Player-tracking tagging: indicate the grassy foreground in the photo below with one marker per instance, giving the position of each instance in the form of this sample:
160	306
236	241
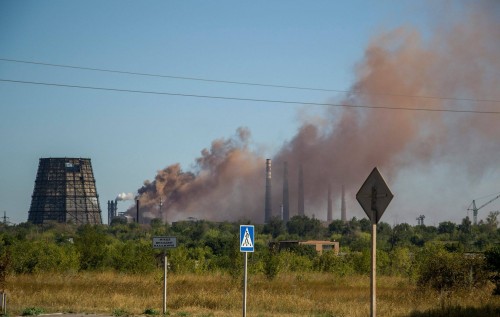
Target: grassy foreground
300	294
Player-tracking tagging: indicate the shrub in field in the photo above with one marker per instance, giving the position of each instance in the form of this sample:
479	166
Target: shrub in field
41	256
493	265
4	261
446	271
151	311
132	256
361	261
271	265
91	244
292	262
401	262
333	263
32	311
202	257
179	261
120	312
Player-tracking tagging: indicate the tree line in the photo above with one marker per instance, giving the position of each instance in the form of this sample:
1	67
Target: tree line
442	257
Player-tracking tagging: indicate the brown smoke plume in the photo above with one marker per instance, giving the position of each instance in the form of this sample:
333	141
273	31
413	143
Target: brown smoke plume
223	185
400	69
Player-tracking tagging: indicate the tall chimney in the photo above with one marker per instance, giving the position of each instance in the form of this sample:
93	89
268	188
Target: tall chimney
268	207
343	214
137	205
286	201
329	216
301	192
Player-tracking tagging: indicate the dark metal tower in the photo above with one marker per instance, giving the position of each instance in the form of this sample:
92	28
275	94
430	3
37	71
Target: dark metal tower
65	192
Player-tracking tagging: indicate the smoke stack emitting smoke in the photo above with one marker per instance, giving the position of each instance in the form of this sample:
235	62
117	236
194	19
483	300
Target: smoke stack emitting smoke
460	60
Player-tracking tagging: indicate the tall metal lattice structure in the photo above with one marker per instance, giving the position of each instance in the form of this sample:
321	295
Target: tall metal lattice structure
65	192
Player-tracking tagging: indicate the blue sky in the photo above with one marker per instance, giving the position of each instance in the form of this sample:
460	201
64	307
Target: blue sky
131	136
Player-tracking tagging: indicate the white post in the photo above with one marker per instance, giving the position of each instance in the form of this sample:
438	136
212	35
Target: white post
164	283
245	286
373	273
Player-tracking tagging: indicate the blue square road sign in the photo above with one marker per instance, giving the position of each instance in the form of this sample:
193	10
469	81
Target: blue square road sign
247	238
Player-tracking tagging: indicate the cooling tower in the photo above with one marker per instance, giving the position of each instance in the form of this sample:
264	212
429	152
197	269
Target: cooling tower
286	199
65	192
268	207
301	208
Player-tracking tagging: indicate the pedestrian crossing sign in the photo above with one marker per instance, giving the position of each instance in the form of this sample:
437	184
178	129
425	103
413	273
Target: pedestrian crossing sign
247	238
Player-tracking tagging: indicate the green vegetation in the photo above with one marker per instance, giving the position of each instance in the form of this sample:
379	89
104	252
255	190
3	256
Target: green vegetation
32	311
151	311
120	312
448	259
403	250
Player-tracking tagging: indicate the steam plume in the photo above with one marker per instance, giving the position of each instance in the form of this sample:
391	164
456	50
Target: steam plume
125	196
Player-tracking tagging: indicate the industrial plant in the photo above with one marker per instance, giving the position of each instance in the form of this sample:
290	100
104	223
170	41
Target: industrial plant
65	192
285	203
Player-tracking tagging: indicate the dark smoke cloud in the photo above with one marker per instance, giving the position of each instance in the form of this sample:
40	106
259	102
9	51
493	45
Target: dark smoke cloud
461	59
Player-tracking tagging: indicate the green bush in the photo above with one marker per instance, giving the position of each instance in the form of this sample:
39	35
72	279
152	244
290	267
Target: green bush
91	244
151	311
493	265
32	311
42	256
271	265
445	271
401	262
292	262
330	262
132	256
120	312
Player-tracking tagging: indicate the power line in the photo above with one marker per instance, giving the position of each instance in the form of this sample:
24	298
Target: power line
244	83
243	99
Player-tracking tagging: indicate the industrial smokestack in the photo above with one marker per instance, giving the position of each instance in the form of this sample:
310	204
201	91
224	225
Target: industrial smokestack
268	207
343	213
329	216
301	192
286	201
137	205
112	210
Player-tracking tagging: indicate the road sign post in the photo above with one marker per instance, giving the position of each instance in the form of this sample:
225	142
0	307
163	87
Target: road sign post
247	243
164	243
374	196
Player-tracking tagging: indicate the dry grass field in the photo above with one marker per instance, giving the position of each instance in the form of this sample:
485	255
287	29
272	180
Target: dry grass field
300	294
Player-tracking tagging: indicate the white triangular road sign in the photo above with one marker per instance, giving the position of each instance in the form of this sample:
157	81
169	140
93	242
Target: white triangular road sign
246	242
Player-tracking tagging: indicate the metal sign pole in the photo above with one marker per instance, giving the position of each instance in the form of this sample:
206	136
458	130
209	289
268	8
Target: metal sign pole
374	196
245	286
247	243
373	273
164	243
164	282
